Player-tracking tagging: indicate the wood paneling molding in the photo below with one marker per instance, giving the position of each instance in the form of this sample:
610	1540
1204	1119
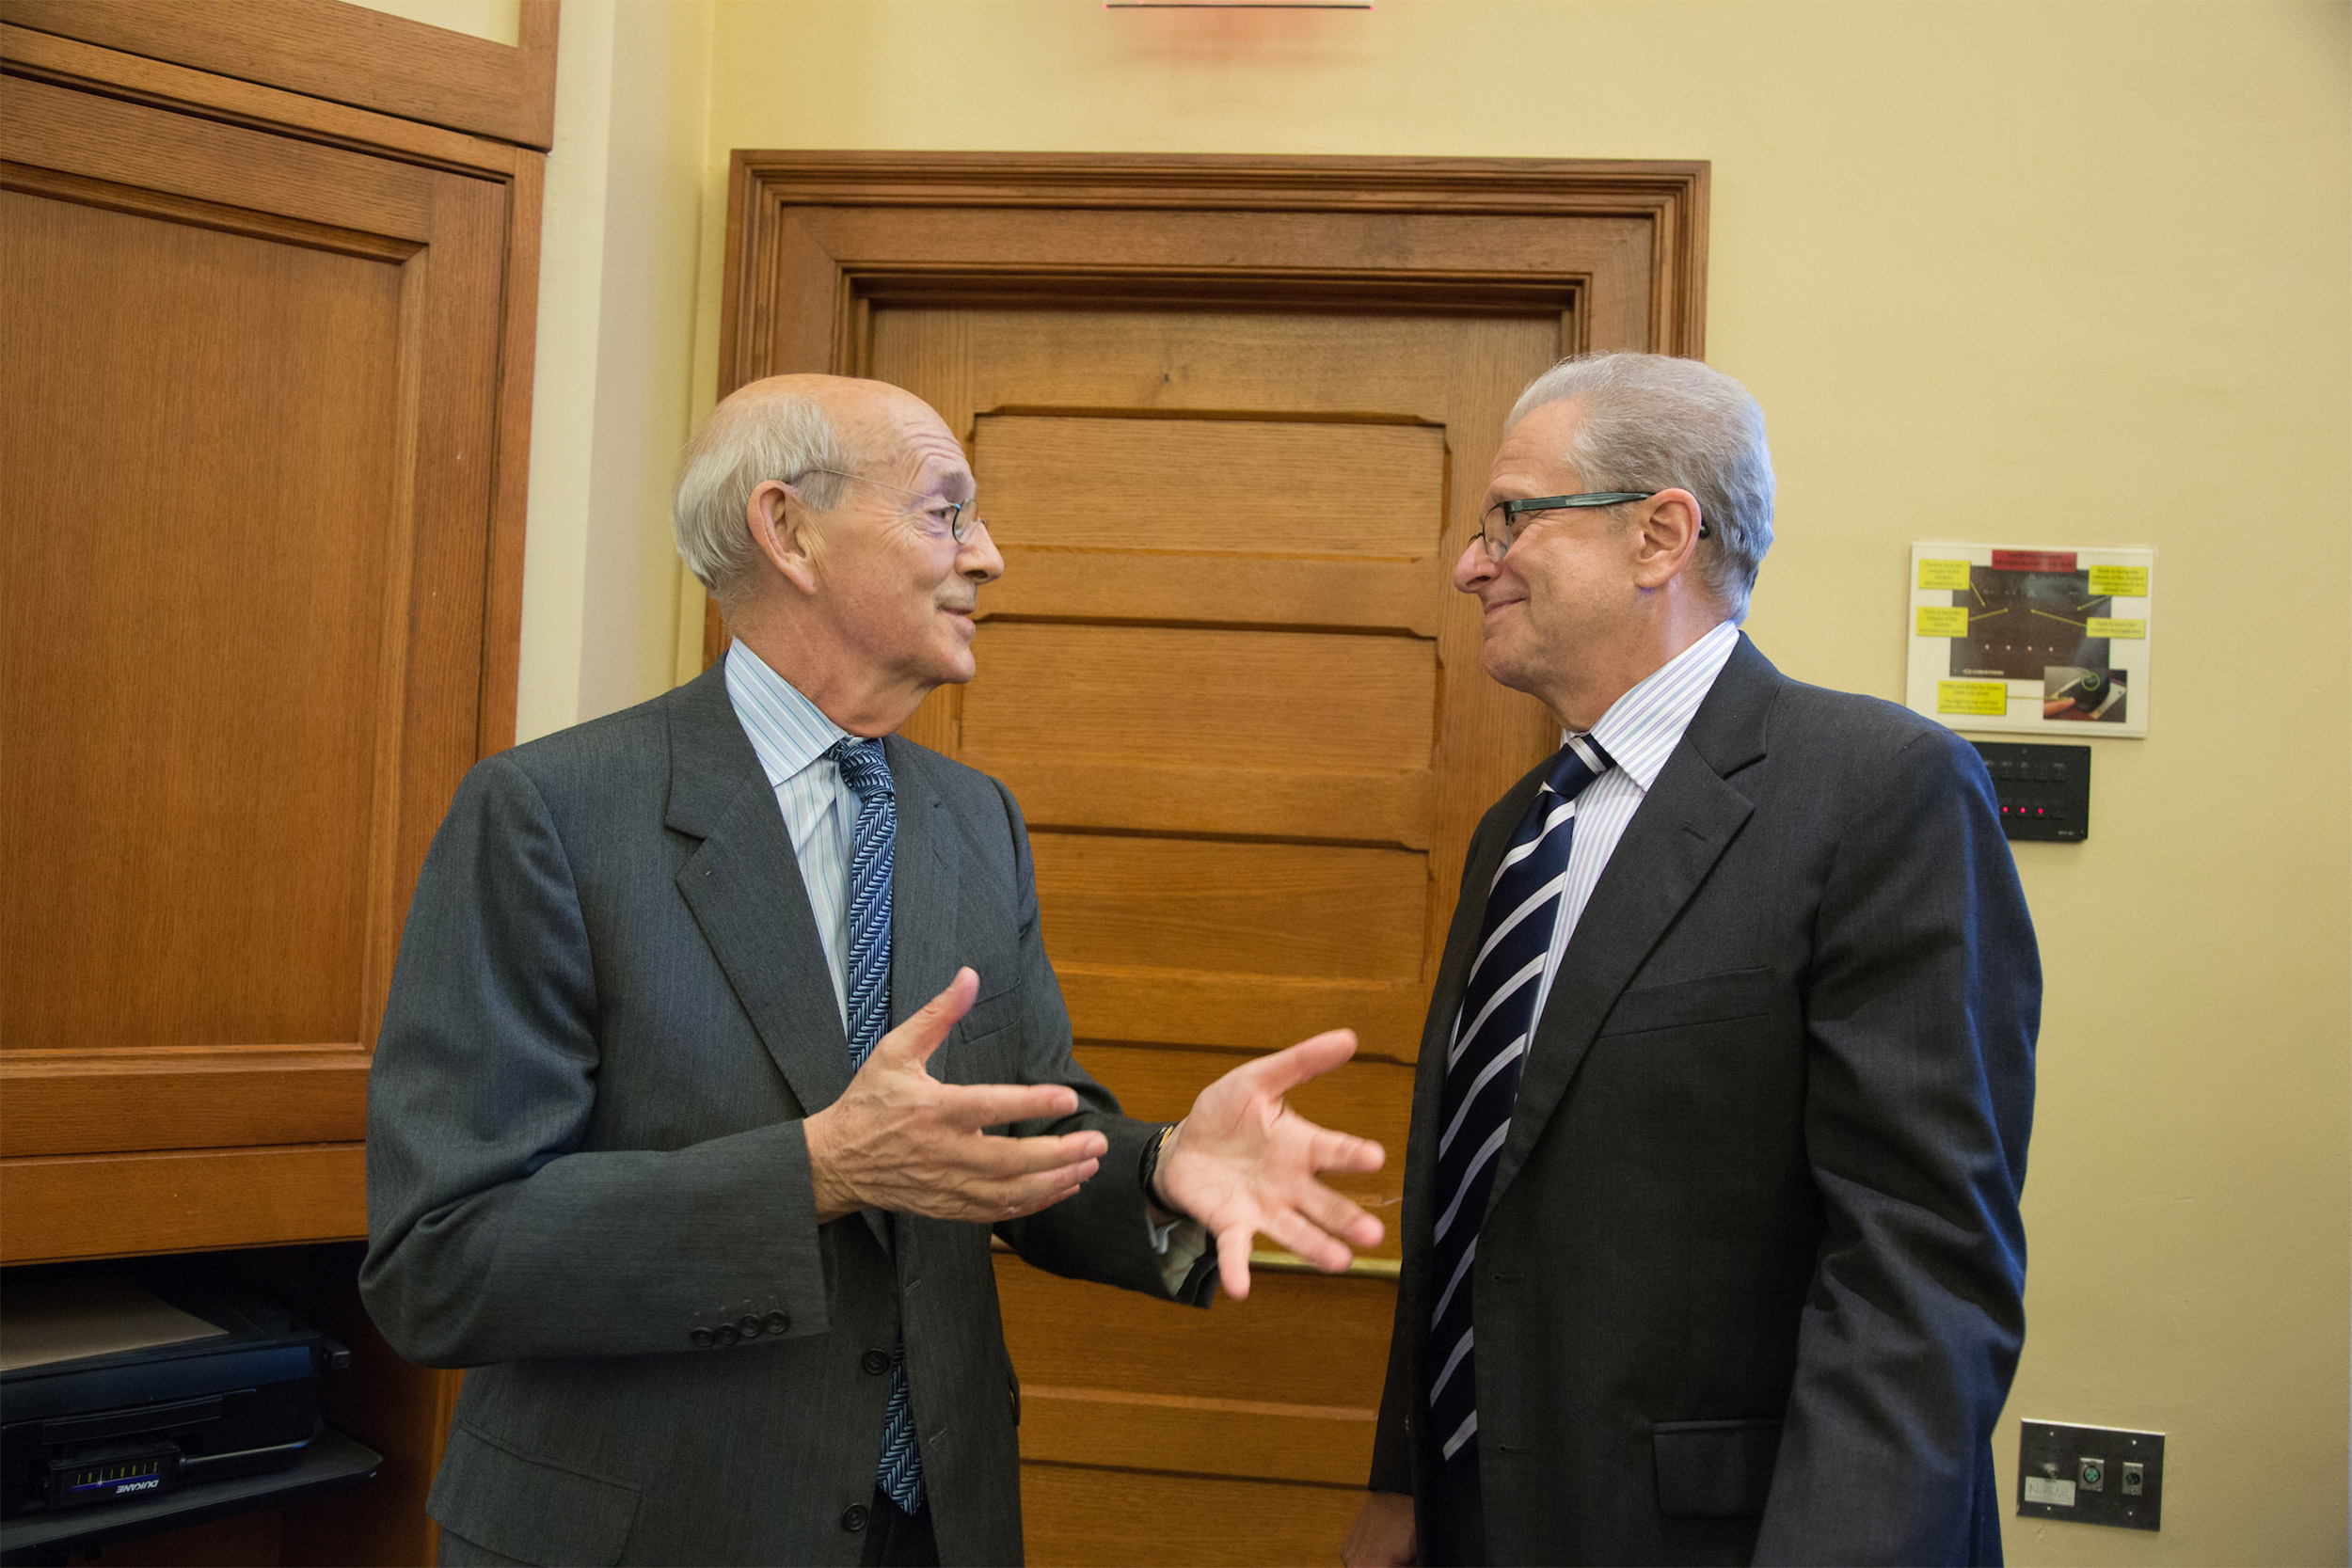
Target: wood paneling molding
1256	1439
184	1096
200	1200
1670	196
341	52
69	62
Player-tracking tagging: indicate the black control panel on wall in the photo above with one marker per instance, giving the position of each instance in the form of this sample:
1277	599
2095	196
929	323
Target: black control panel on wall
2091	1475
2044	791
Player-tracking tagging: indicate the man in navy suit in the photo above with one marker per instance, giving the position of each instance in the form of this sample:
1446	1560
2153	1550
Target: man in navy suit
1711	1240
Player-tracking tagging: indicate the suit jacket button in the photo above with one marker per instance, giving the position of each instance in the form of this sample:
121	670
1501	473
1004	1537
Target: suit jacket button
853	1518
750	1325
725	1334
702	1339
779	1323
875	1361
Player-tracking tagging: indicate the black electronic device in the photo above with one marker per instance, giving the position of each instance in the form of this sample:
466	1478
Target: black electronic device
2043	791
236	1393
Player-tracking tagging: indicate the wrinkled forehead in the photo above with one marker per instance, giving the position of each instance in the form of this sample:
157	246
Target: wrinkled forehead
1534	459
899	438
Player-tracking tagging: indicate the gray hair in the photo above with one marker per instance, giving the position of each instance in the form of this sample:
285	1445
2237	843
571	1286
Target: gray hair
1651	422
744	443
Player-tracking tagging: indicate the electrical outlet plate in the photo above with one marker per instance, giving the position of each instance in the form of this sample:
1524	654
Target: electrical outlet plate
2091	1475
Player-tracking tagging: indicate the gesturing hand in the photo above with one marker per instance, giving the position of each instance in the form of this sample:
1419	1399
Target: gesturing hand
1244	1161
899	1139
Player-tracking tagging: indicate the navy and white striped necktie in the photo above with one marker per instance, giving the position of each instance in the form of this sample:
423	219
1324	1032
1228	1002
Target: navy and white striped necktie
899	1473
1481	1076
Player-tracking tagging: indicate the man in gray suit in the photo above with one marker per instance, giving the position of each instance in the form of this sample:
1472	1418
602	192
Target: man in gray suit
1711	1230
679	1126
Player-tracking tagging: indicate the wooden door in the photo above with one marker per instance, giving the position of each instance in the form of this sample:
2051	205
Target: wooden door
1227	677
264	386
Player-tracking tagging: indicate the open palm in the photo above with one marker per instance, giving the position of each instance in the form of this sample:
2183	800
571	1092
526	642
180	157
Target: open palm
1244	1164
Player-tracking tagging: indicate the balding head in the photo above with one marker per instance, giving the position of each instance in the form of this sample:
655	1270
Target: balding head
785	428
832	520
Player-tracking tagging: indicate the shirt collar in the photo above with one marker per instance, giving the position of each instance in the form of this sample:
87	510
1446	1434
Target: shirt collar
787	730
1643	727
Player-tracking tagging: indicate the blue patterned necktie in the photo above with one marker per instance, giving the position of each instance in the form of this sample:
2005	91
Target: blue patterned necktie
1482	1075
899	1473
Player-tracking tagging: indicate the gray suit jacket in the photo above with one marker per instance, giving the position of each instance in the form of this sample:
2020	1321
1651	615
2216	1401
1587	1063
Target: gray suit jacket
1750	1281
587	1177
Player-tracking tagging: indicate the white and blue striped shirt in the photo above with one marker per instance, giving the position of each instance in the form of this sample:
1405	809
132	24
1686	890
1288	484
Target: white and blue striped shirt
791	734
1639	732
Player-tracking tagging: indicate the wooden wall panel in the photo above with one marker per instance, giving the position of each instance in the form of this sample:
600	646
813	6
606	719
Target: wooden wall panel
1165	695
1387	596
195	1200
1112	1518
1056	1332
185	1097
1201	486
218	786
253	421
1329	912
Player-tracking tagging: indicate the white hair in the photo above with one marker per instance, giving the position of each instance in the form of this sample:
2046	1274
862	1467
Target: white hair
744	443
1652	423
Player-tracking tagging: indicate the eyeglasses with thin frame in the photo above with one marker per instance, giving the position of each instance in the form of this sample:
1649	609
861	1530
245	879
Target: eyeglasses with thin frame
1501	519
946	512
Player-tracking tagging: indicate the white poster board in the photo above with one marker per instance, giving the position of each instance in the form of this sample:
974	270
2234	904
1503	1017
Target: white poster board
2032	638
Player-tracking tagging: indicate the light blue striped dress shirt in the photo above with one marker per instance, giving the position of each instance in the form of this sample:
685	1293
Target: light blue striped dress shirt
791	736
1639	732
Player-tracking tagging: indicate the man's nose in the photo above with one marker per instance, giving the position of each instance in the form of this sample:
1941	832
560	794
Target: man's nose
1474	567
977	556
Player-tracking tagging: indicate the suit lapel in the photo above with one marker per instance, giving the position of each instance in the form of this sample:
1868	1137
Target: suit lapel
1689	817
922	886
744	888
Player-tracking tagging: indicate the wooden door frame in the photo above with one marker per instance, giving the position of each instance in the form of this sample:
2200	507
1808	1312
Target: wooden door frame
789	305
336	53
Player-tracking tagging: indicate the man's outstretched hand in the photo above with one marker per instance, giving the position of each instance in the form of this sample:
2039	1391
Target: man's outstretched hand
899	1139
1244	1163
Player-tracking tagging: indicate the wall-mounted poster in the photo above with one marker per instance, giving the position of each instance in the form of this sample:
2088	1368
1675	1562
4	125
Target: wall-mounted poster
2047	640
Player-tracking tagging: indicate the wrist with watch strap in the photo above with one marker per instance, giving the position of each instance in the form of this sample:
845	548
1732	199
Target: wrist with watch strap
1150	1170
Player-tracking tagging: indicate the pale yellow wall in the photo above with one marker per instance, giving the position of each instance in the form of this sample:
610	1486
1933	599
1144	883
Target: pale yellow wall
614	378
2077	274
499	21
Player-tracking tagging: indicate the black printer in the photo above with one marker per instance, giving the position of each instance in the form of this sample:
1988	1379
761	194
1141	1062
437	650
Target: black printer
112	1389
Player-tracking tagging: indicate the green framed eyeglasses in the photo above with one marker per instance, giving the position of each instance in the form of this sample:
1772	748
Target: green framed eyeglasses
1501	519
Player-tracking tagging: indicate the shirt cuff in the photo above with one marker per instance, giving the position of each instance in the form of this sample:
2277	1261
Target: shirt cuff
1180	1244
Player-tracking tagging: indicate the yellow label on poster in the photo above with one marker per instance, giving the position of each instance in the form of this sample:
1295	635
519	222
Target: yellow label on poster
2130	582
1945	574
1943	621
2109	626
1989	697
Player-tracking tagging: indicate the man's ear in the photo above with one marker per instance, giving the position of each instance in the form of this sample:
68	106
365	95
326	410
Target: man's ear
1667	535
779	522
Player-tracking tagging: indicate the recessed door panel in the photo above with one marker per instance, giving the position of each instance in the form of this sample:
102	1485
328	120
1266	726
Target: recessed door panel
192	848
1224	486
